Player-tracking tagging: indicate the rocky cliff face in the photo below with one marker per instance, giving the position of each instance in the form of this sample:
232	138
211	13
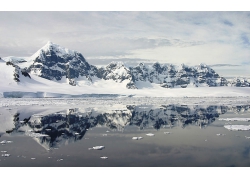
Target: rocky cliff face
53	62
18	72
239	82
169	76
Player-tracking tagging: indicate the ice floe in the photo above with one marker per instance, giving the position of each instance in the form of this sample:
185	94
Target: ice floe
237	127
167	132
5	155
5	142
150	134
36	135
104	157
220	134
97	148
137	138
234	119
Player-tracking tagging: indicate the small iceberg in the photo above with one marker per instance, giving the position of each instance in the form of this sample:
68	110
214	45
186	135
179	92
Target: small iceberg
3	142
37	135
237	127
137	138
97	148
234	119
220	134
5	155
150	134
104	157
167	133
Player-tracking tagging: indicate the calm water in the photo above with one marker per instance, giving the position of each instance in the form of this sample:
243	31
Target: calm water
183	136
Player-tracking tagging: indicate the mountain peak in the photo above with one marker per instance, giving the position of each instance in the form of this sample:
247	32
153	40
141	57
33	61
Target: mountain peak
52	47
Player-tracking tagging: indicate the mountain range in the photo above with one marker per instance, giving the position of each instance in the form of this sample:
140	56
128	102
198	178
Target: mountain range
59	64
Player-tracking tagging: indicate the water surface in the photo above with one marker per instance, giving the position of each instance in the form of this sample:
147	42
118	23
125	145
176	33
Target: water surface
183	136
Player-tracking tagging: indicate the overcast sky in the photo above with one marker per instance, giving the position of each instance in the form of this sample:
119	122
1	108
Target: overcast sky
166	37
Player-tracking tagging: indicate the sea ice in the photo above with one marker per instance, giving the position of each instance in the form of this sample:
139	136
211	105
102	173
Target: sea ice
220	134
5	155
136	138
167	132
234	119
97	148
150	134
237	127
104	157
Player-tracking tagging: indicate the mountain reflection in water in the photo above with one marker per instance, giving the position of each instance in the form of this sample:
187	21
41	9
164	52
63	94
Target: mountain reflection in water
64	127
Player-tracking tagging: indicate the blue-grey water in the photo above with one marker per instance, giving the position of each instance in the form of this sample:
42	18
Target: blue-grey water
183	136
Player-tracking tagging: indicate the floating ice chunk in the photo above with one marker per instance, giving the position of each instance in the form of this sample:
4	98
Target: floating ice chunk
234	119
137	138
237	127
167	132
97	148
220	134
36	135
5	155
3	142
104	157
33	158
9	142
104	135
247	137
107	131
76	133
150	134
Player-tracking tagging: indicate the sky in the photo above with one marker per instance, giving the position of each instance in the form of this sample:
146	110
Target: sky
218	38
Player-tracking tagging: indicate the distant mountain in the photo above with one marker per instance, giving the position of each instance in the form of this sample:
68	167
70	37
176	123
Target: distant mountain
62	65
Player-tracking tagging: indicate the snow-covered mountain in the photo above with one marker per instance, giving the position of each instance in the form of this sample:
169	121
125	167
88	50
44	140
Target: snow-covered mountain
68	67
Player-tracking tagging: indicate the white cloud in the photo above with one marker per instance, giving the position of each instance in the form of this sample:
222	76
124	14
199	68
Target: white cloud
180	37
